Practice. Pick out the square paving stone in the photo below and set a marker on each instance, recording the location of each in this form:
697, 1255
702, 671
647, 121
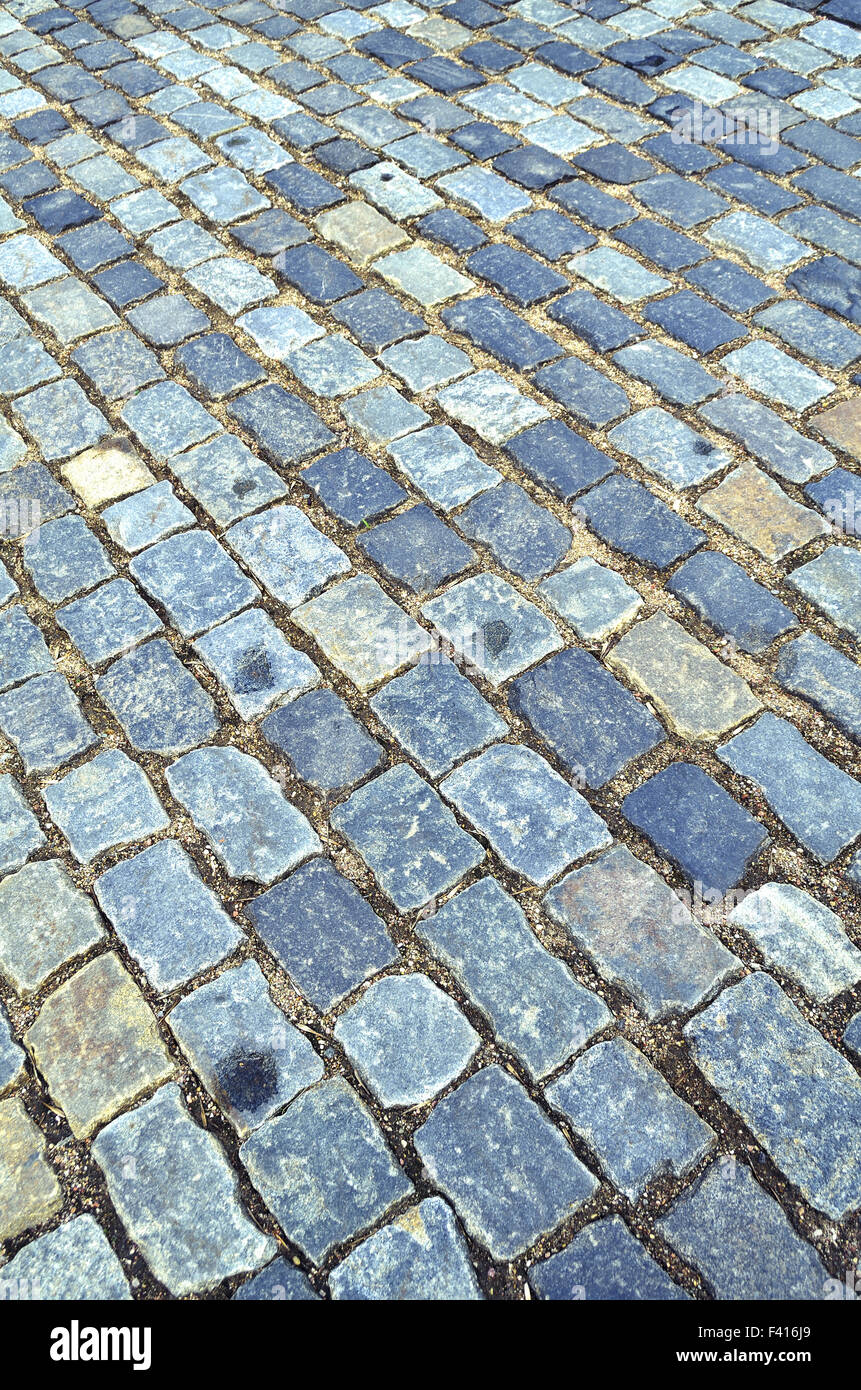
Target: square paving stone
25, 262
322, 741
517, 275
170, 922
362, 631
285, 429
632, 519
74, 1262
254, 662
69, 310
279, 329
217, 367
226, 478
109, 622
126, 283
498, 330
107, 472
595, 600
194, 580
168, 320
673, 375
825, 677
559, 458
610, 907
31, 1193
841, 425
157, 701
360, 231
816, 800
352, 487
801, 937
735, 289
118, 364
251, 827
619, 1105
535, 821
322, 932
64, 558
603, 1262
723, 593
592, 398
490, 405
621, 276
418, 273
832, 583
24, 363
230, 284
697, 825
377, 319
324, 1168
592, 723
442, 465
183, 244
441, 1042
96, 1043
451, 229
286, 552
166, 419
252, 1061
147, 517
533, 1003
177, 1196
19, 828
668, 447
764, 368
332, 366
492, 626
45, 922
23, 652
710, 1226
61, 419
417, 550
420, 1256
838, 495
44, 721
752, 507
106, 802
424, 364
317, 275
800, 1098
437, 715
508, 1171
697, 695
407, 836
270, 232
523, 537
597, 323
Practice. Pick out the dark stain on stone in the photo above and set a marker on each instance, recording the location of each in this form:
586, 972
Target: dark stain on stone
248, 1079
253, 671
497, 635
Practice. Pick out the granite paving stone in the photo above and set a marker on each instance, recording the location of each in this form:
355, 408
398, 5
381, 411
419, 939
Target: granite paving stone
31, 1192
251, 1059
801, 937
532, 1001
73, 1262
46, 922
492, 626
589, 720
623, 1109
594, 600
784, 1079
177, 1195
667, 446
12, 1057
605, 1262
532, 818
437, 715
323, 932
818, 801
755, 509
352, 487
147, 517
253, 830
768, 437
442, 465
508, 1171
171, 923
417, 550
322, 741
614, 904
832, 583
419, 1256
407, 836
722, 593
710, 1226
157, 700
324, 1168
838, 495
23, 652
633, 520
253, 661
825, 677
279, 1282
95, 1041
44, 722
397, 1006
362, 631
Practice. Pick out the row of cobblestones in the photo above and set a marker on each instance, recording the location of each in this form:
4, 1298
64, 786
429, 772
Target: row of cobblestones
430, 593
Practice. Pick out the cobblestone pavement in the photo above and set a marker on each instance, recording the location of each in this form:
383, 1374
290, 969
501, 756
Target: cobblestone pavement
429, 697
